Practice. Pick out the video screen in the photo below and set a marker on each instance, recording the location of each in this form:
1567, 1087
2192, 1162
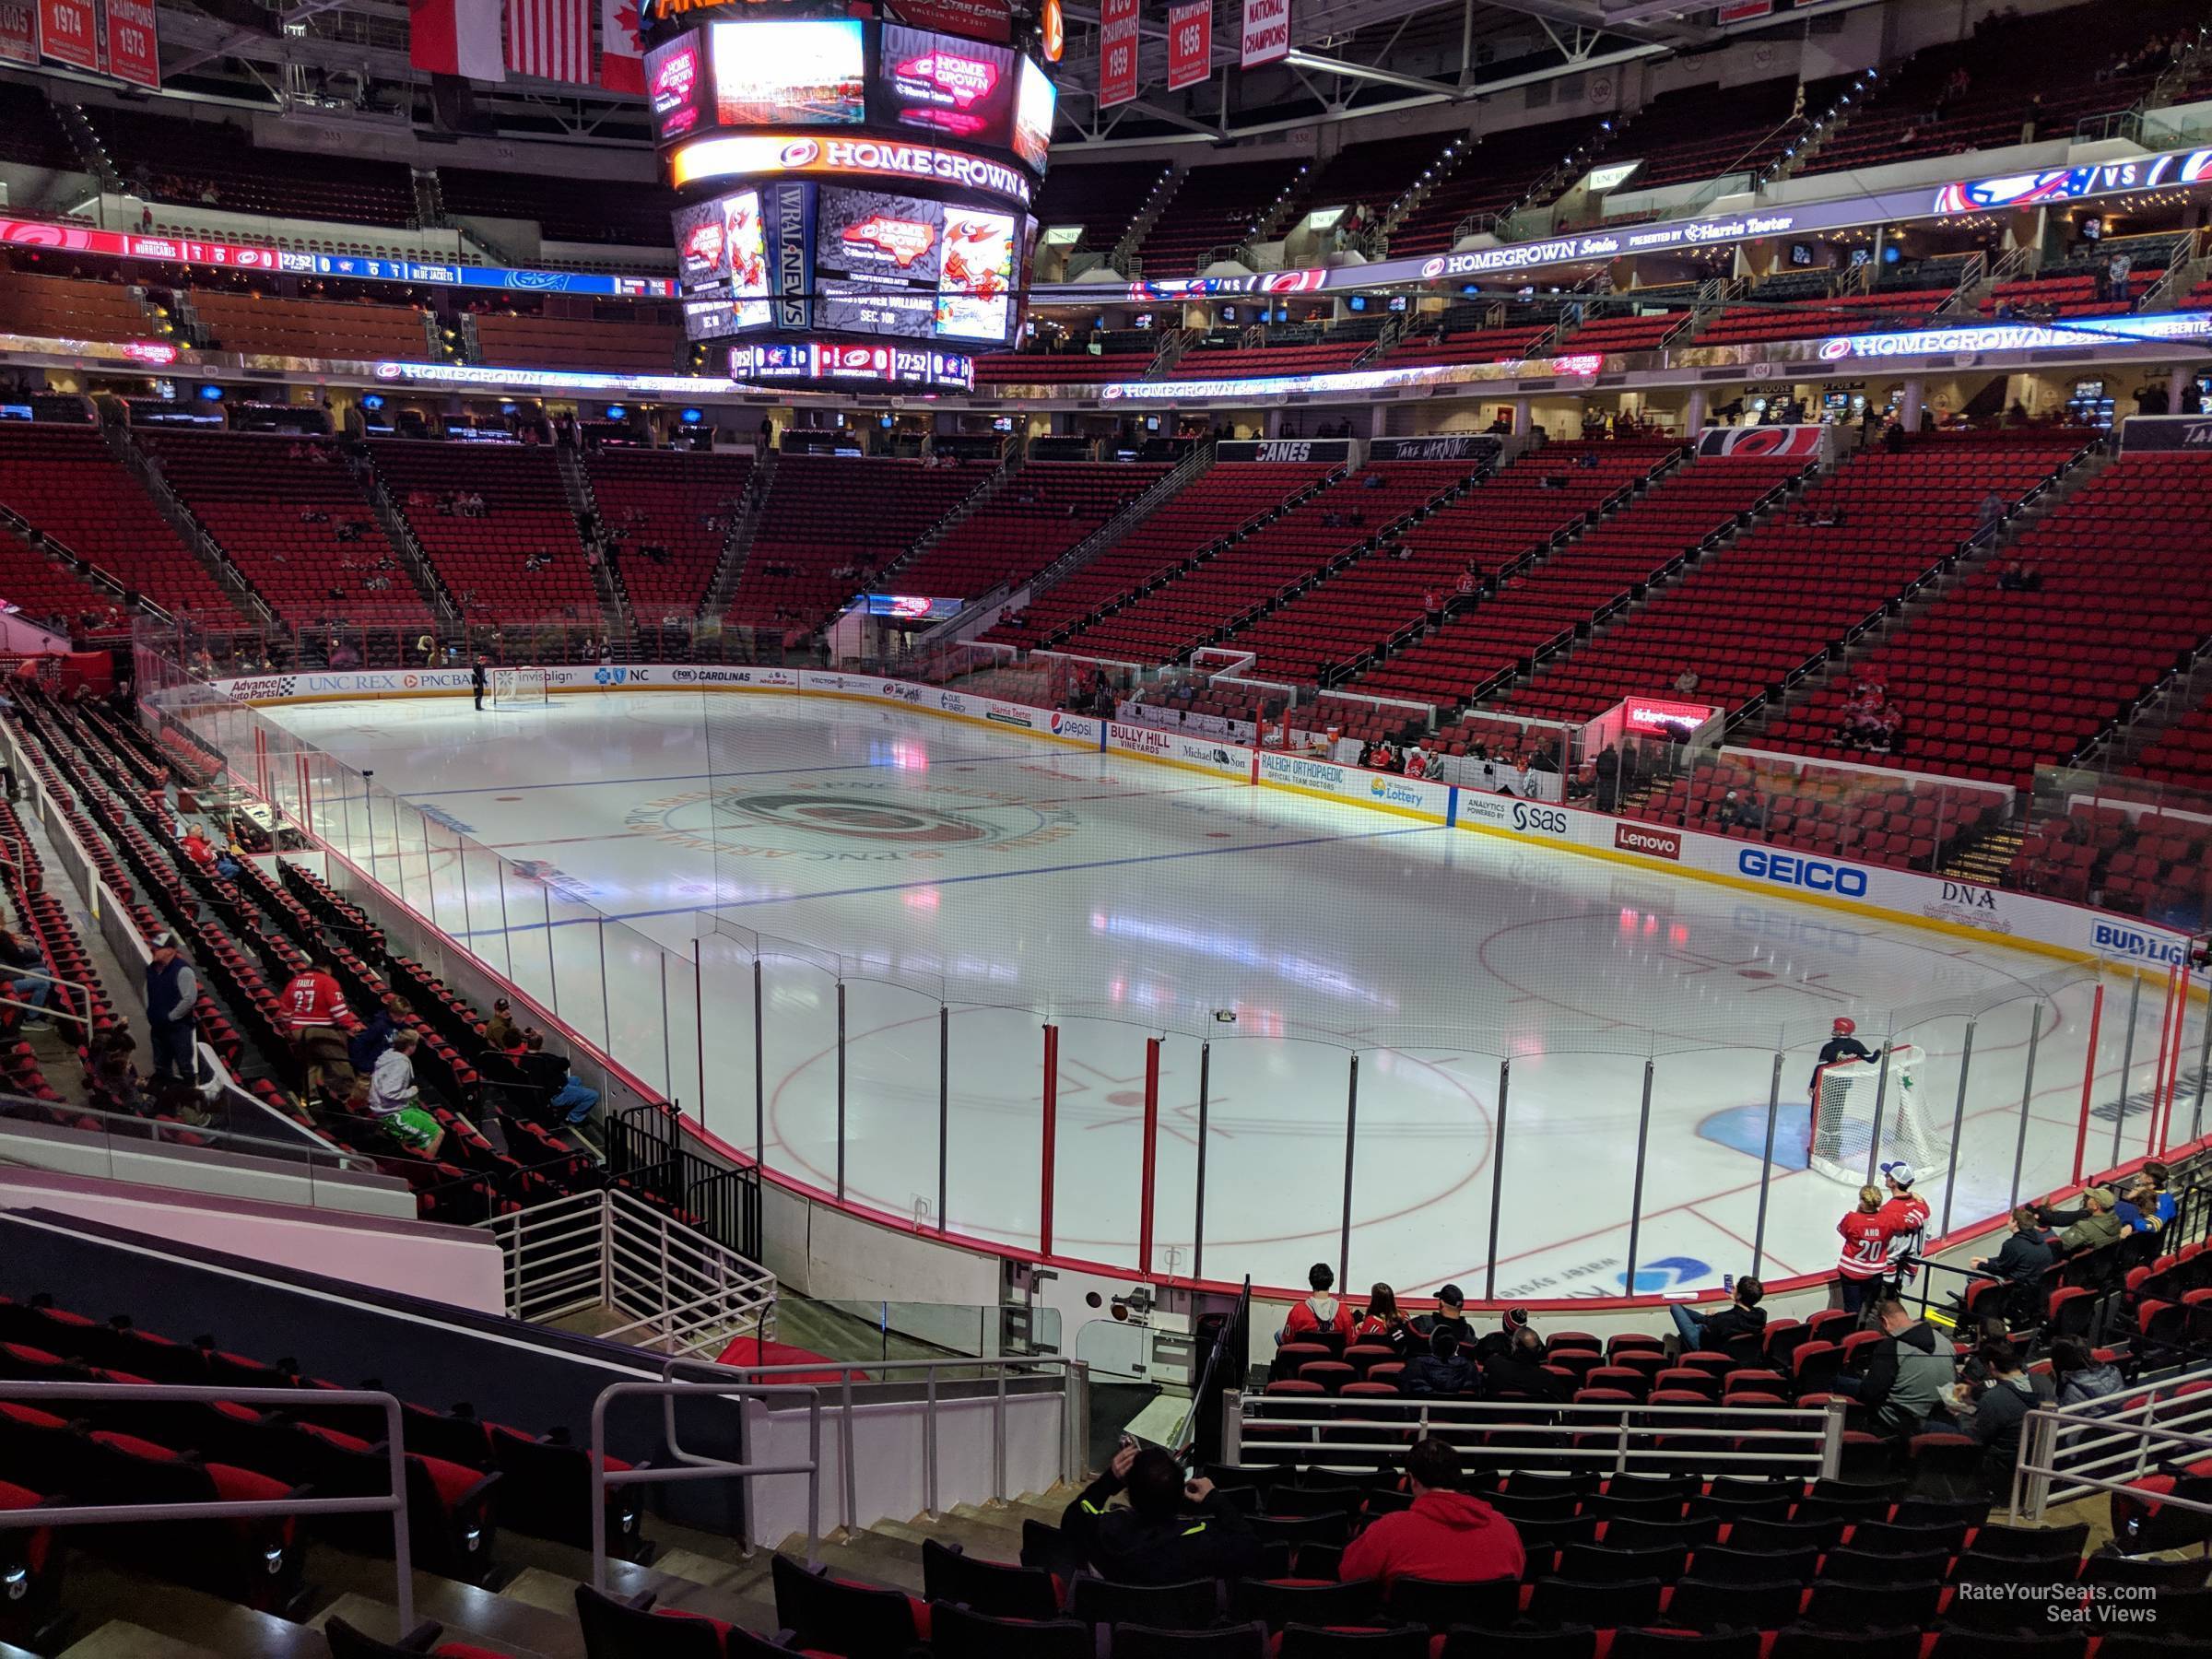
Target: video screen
897, 265
1034, 102
677, 87
789, 74
957, 89
721, 266
975, 292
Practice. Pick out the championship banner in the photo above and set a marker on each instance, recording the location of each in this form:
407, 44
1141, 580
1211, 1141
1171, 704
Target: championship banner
1266, 32
69, 33
1190, 44
134, 42
1117, 51
18, 32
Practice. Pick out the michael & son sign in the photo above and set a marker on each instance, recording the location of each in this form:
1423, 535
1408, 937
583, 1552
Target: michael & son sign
2021, 919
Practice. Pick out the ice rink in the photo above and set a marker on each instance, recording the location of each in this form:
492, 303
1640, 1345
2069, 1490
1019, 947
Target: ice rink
929, 864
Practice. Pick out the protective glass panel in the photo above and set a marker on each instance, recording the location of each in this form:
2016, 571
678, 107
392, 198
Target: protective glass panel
1275, 1157
1099, 1154
891, 1077
1420, 1169
993, 1162
800, 1053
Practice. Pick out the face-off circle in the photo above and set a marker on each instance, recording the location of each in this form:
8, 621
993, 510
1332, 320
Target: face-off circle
846, 821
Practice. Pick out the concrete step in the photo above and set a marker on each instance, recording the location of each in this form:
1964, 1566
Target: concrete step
119, 1638
753, 1607
464, 1609
190, 1621
380, 1620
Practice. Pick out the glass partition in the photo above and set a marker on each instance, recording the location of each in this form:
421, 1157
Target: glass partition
1635, 1115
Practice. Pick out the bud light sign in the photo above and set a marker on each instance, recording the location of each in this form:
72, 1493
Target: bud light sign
1811, 874
2112, 939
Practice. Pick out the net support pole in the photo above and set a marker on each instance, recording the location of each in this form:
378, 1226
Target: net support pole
1351, 1144
840, 1091
2089, 1087
1966, 1064
1643, 1138
699, 1037
1049, 1137
1205, 1063
1881, 1098
1145, 1194
944, 1108
2019, 1145
759, 1063
2127, 1062
2163, 1139
1766, 1168
1490, 1270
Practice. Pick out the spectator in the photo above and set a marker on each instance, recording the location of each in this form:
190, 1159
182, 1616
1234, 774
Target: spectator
26, 966
1865, 1254
1519, 1369
2025, 1256
315, 1012
1446, 1535
1993, 1414
199, 849
1742, 1317
1413, 1335
1607, 770
2151, 1197
1319, 1312
1906, 1375
498, 1030
1172, 1530
1687, 681
173, 1000
1441, 1371
395, 1099
1990, 511
370, 1043
2080, 1375
572, 1099
2098, 1226
1906, 1216
1380, 1320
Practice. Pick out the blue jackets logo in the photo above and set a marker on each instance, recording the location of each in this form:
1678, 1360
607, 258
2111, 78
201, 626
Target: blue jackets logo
1813, 875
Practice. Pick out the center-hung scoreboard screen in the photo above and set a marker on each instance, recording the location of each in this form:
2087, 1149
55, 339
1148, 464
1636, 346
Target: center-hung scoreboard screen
847, 176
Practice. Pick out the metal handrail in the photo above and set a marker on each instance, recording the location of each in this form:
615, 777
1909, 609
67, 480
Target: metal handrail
693, 1467
2111, 1441
107, 1514
1073, 1413
1822, 1439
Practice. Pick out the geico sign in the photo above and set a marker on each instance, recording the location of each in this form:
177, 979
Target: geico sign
1644, 839
1813, 875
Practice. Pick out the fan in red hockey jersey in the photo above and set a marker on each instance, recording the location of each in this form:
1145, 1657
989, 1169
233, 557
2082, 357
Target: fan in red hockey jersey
1905, 1213
1865, 1257
314, 1007
1319, 1312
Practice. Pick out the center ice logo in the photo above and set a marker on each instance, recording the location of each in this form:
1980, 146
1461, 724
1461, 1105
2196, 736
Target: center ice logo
846, 822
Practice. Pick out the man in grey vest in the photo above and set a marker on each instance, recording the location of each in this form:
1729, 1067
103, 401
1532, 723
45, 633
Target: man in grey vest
172, 992
1909, 1375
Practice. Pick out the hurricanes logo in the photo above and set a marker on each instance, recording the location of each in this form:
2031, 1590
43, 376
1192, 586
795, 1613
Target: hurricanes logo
852, 821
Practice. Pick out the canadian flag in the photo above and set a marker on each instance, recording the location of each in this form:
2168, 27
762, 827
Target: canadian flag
550, 39
621, 51
456, 37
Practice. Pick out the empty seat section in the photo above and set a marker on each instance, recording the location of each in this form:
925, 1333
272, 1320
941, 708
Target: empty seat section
1213, 207
566, 209
1272, 562
64, 482
1217, 503
1037, 515
1569, 586
254, 322
1104, 198
1787, 589
69, 308
293, 518
208, 162
625, 345
830, 522
668, 511
484, 560
1995, 680
1493, 175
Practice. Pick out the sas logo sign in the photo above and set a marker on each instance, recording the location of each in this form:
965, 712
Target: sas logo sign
1811, 874
1649, 842
2138, 946
1532, 819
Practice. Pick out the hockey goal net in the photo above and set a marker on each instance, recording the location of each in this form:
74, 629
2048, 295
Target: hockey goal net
1860, 1104
518, 688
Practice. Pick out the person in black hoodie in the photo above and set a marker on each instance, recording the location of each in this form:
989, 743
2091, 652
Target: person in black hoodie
1172, 1530
1518, 1369
1709, 1333
1412, 1337
2008, 1396
1441, 1370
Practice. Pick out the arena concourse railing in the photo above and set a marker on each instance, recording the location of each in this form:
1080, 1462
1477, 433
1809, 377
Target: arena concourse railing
2114, 1444
835, 1073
